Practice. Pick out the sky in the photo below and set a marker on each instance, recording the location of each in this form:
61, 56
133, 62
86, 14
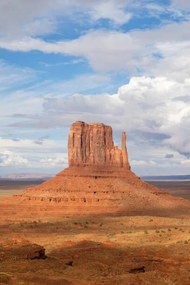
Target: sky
125, 63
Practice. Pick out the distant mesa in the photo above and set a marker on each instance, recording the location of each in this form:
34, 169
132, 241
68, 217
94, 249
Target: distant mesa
98, 180
25, 176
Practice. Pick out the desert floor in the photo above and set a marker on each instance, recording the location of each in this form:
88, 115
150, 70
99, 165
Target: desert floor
95, 250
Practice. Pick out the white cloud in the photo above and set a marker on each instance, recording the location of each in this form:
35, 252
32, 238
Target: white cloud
12, 76
20, 17
29, 154
186, 162
157, 108
80, 83
58, 160
180, 4
153, 108
163, 51
17, 105
30, 145
104, 50
143, 163
20, 103
155, 111
9, 158
39, 17
14, 159
12, 80
111, 10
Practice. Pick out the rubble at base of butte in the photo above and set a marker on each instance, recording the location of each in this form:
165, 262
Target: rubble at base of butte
97, 180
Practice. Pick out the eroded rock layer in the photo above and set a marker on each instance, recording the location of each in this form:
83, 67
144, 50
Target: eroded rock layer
98, 180
92, 145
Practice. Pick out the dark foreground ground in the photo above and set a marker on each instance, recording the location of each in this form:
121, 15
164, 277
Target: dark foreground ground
176, 188
95, 250
12, 187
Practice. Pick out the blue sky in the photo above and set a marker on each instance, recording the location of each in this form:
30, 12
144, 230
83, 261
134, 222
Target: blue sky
121, 62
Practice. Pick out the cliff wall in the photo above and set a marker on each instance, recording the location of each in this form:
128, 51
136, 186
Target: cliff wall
92, 145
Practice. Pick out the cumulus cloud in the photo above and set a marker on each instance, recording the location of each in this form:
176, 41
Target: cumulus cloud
25, 153
9, 158
154, 108
151, 108
14, 159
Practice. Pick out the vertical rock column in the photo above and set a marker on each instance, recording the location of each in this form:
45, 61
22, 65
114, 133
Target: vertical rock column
92, 145
124, 151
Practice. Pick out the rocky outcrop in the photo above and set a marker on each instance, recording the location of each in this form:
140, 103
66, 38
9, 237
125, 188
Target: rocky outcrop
35, 252
98, 180
22, 249
92, 145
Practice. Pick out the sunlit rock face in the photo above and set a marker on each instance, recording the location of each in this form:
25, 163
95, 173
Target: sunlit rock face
98, 180
92, 145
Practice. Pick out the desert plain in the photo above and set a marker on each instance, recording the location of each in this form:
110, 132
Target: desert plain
95, 249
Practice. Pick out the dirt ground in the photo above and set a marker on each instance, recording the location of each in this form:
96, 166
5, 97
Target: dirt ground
96, 250
133, 249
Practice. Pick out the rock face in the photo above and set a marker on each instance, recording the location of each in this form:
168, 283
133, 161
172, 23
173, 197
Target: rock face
98, 180
92, 145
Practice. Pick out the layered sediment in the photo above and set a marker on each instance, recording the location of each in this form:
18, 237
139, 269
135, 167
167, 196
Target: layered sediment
92, 145
98, 180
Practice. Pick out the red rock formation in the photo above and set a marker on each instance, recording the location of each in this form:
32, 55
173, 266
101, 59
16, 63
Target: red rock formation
98, 180
92, 145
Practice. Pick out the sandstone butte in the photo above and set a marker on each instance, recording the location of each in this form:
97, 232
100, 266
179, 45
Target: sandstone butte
98, 180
